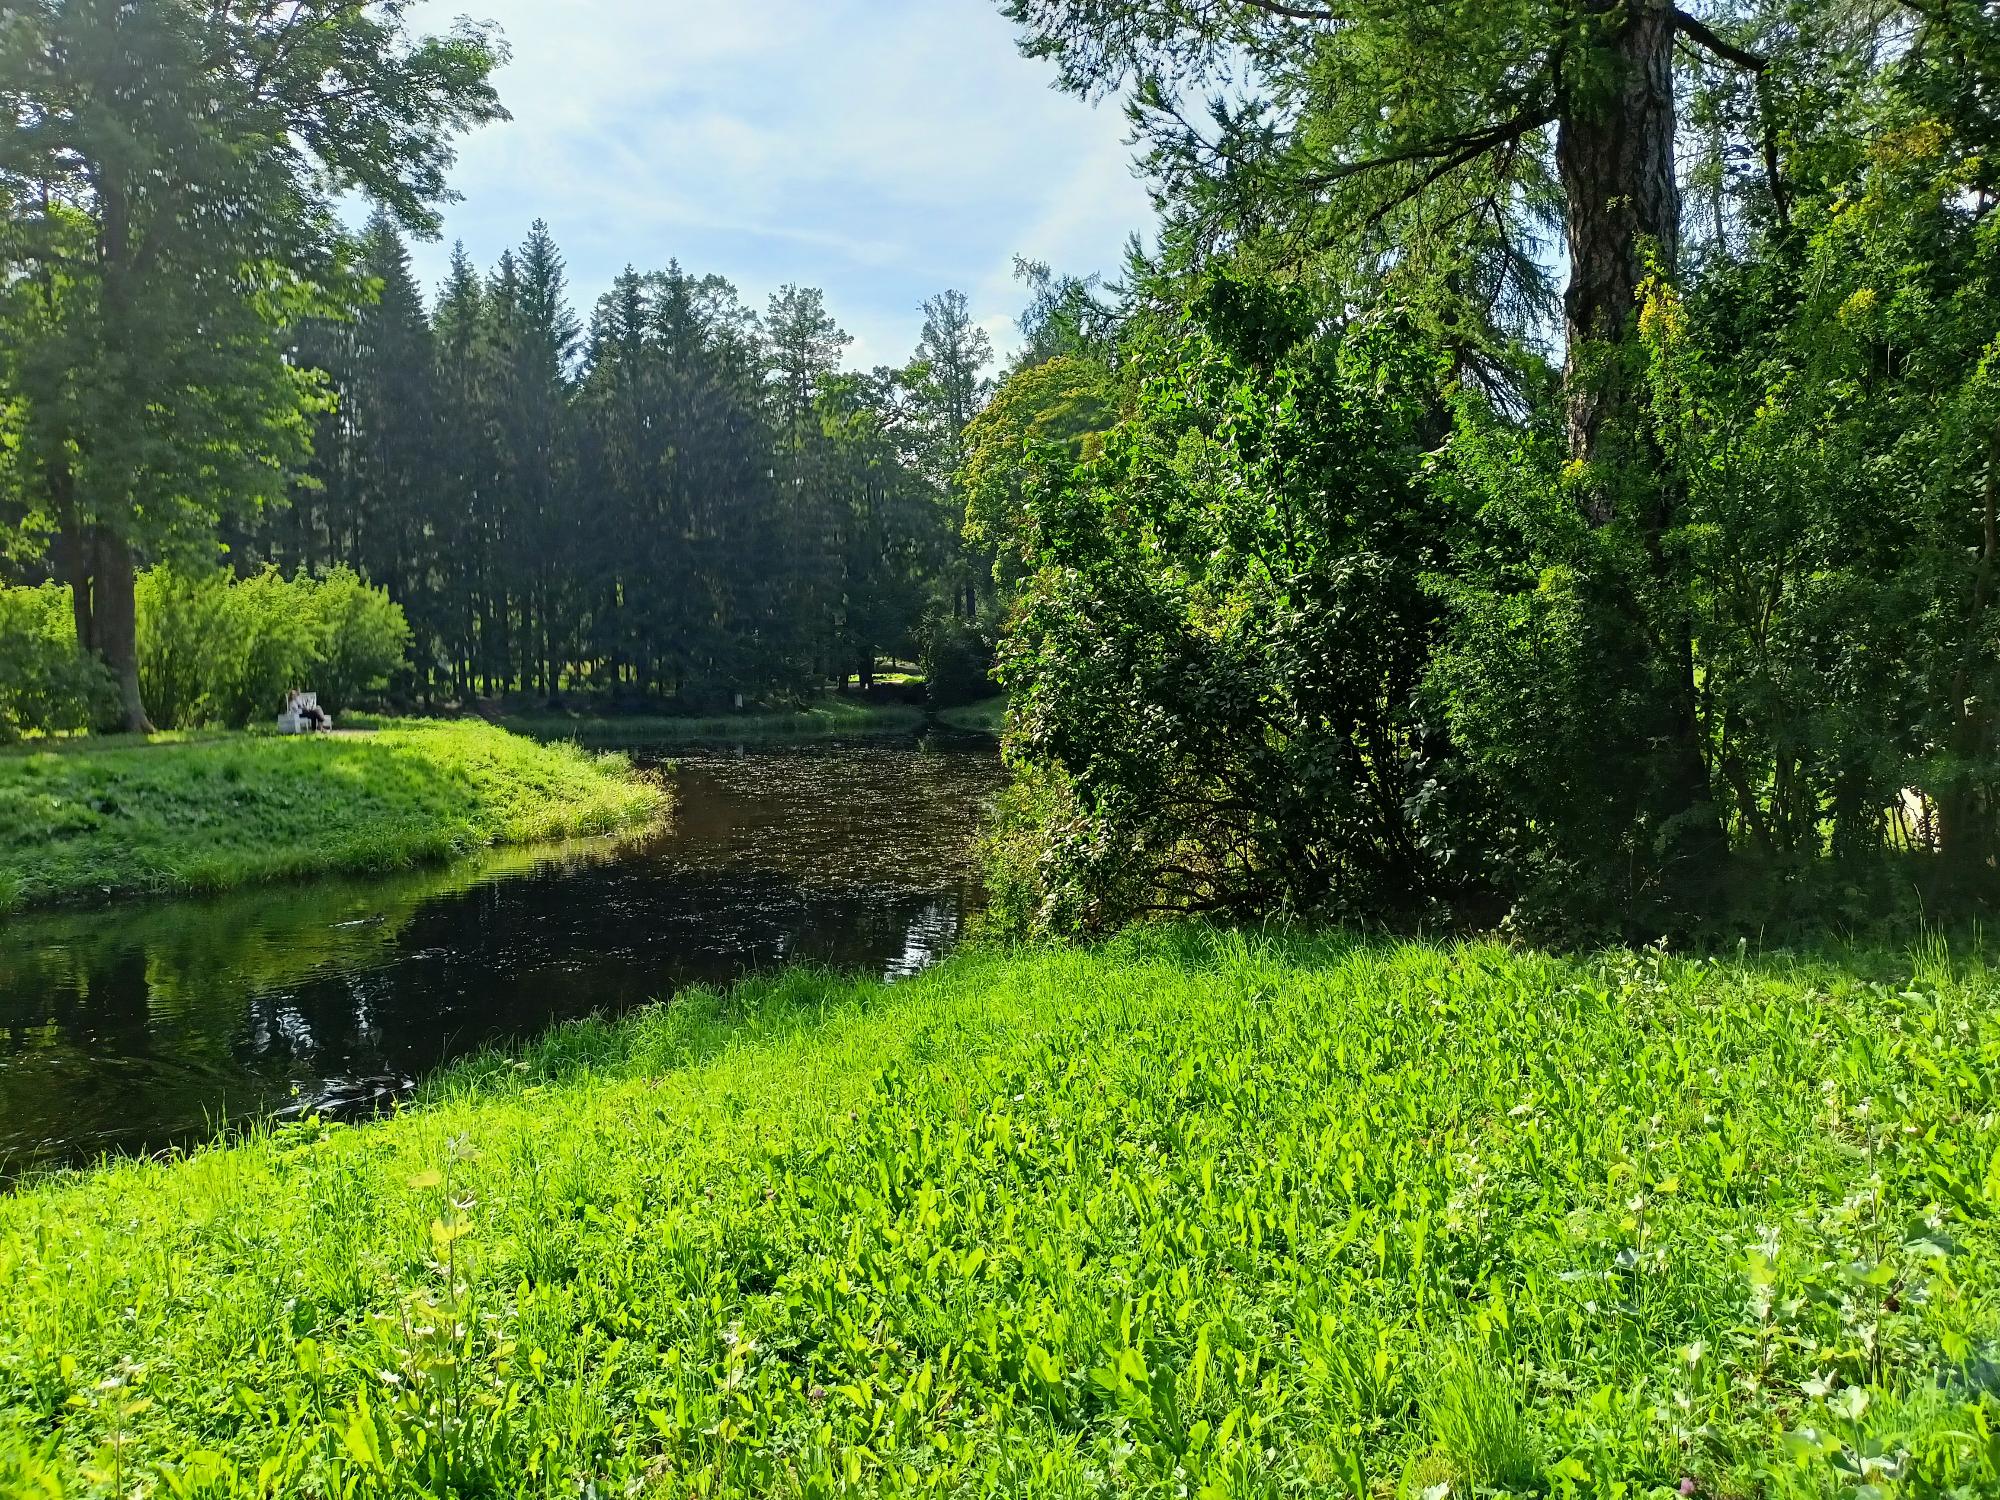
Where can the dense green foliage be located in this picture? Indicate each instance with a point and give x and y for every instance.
(1690, 612)
(46, 684)
(214, 650)
(87, 822)
(219, 650)
(171, 174)
(1216, 666)
(1193, 1216)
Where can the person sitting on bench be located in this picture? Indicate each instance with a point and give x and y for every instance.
(303, 715)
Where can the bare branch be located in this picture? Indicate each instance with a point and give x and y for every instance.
(1708, 41)
(1292, 12)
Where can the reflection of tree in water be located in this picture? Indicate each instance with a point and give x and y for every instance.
(152, 997)
(193, 952)
(134, 1026)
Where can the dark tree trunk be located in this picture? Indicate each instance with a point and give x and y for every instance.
(73, 566)
(114, 607)
(1615, 152)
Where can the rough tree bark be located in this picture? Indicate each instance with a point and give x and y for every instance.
(1615, 151)
(97, 565)
(114, 607)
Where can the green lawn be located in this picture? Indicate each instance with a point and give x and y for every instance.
(1192, 1215)
(91, 819)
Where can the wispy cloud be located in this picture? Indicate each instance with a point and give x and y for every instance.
(881, 149)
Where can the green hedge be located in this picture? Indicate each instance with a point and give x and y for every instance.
(217, 650)
(46, 685)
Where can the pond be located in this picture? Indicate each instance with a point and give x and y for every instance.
(148, 1026)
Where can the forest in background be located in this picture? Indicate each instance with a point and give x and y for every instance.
(678, 500)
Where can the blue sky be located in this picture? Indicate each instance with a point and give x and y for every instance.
(881, 149)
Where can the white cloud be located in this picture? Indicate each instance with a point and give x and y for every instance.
(881, 149)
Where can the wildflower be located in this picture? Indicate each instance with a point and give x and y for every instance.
(1687, 1486)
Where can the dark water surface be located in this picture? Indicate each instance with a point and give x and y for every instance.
(146, 1026)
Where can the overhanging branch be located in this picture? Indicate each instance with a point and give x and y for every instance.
(1453, 151)
(1705, 38)
(1292, 12)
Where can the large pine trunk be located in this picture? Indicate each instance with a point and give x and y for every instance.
(1615, 152)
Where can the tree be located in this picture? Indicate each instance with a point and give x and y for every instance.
(948, 387)
(1425, 151)
(1065, 317)
(1830, 401)
(467, 466)
(804, 347)
(171, 171)
(372, 494)
(1057, 410)
(888, 537)
(537, 338)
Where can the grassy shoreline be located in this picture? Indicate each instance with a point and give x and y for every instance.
(1245, 1217)
(834, 719)
(831, 720)
(89, 821)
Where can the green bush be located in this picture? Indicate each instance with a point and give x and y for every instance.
(214, 649)
(957, 662)
(46, 685)
(366, 638)
(1214, 662)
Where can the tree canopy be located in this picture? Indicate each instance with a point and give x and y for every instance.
(171, 174)
(1712, 558)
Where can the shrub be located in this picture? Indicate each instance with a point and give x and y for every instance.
(1215, 661)
(957, 662)
(220, 650)
(46, 685)
(366, 637)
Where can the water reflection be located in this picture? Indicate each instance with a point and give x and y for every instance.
(146, 1026)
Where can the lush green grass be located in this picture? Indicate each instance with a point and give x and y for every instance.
(93, 819)
(989, 717)
(1192, 1216)
(829, 719)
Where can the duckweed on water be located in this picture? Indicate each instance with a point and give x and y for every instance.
(1192, 1215)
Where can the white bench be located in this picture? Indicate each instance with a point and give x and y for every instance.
(294, 719)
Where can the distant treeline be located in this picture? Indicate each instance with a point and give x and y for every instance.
(678, 499)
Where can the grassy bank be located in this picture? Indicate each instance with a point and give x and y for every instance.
(1184, 1217)
(986, 718)
(831, 719)
(94, 819)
